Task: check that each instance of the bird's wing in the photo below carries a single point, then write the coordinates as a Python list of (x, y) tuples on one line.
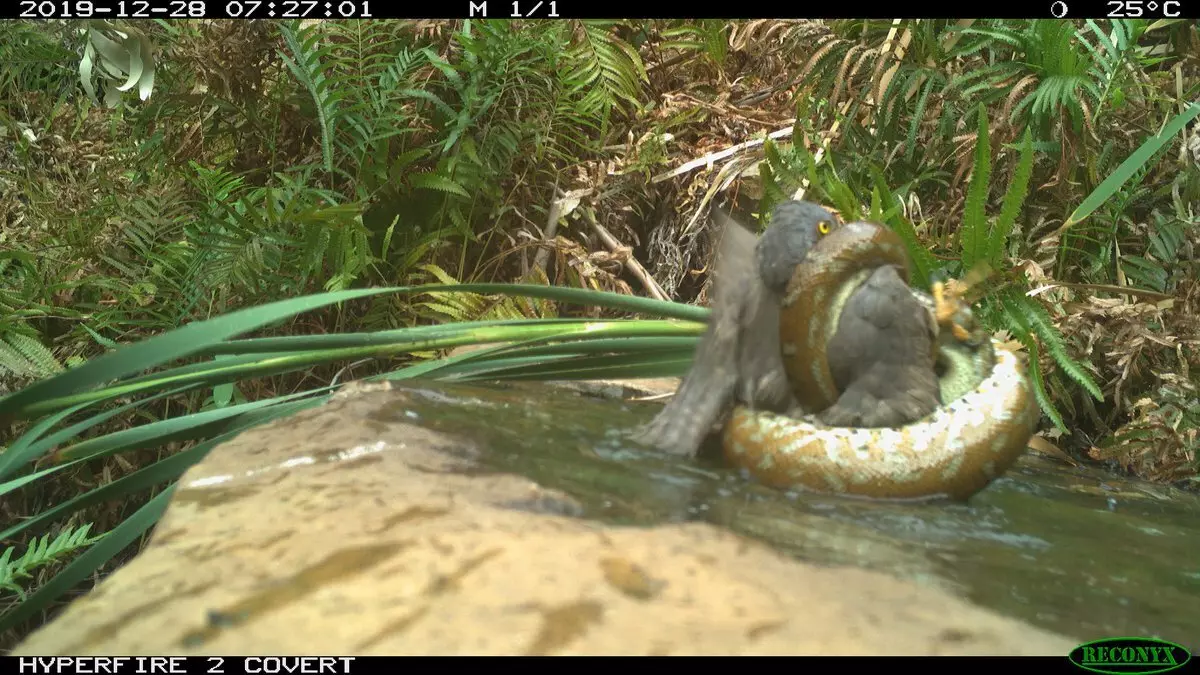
[(737, 359)]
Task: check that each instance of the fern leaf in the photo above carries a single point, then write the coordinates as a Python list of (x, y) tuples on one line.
[(1018, 325), (433, 181), (973, 235), (1014, 198), (22, 356), (306, 67), (1037, 318), (910, 143), (42, 551)]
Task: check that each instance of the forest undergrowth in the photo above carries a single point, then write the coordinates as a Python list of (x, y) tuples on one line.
[(168, 172)]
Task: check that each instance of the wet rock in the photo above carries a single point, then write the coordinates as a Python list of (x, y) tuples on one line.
[(333, 532)]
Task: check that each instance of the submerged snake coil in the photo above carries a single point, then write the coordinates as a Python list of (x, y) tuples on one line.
[(989, 415)]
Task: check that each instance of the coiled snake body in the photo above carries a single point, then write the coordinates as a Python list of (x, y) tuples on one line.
[(987, 417)]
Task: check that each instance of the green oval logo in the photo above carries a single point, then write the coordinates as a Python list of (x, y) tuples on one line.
[(1129, 655)]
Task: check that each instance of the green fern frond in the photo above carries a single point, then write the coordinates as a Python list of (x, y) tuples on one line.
[(433, 181), (41, 552), (706, 36), (821, 67), (973, 235), (1039, 386), (1040, 322), (1014, 199), (607, 64), (305, 63), (23, 357), (999, 34), (1167, 238), (910, 142), (474, 307), (1145, 272), (1017, 323)]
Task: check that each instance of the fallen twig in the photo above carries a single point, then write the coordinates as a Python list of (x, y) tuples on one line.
[(542, 257), (710, 159), (635, 267)]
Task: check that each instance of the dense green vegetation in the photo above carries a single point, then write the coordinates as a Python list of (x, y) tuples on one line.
[(285, 191)]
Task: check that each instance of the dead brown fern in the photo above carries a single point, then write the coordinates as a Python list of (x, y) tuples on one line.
[(1148, 352)]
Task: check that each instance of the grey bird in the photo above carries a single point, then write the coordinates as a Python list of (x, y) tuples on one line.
[(880, 356), (739, 358)]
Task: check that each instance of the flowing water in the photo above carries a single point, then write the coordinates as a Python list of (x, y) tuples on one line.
[(1072, 549)]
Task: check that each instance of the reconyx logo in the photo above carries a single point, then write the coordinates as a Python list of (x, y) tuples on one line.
[(1129, 656)]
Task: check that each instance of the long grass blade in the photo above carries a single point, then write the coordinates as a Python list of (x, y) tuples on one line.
[(1109, 186)]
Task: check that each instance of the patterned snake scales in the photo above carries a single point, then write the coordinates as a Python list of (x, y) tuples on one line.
[(989, 412)]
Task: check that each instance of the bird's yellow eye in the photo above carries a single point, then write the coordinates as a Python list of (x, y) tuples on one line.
[(823, 227)]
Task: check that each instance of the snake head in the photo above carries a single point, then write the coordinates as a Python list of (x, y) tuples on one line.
[(795, 228)]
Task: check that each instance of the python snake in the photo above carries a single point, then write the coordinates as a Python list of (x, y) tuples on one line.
[(987, 417)]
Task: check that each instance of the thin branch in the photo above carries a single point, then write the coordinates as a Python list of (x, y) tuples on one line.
[(709, 159), (543, 255), (635, 267)]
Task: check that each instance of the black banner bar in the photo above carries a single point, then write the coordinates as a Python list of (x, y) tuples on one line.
[(185, 665), (594, 9), (368, 665)]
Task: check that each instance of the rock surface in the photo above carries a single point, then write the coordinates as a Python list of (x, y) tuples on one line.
[(340, 531)]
